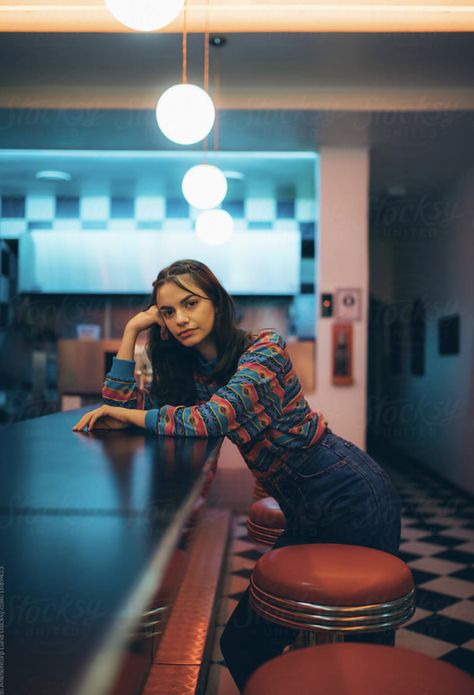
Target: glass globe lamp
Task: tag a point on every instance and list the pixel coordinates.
(214, 227)
(204, 186)
(145, 15)
(185, 114)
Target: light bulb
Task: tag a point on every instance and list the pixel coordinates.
(145, 15)
(185, 113)
(204, 186)
(214, 227)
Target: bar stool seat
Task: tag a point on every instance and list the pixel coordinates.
(266, 522)
(358, 669)
(332, 587)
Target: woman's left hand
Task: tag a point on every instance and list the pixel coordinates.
(105, 417)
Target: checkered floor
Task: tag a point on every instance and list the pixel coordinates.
(437, 544)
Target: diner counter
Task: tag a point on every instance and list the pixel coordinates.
(88, 525)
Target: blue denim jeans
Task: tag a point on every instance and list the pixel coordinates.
(334, 493)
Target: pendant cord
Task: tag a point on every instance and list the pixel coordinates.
(185, 48)
(206, 74)
(217, 99)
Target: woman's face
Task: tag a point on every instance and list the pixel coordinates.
(187, 316)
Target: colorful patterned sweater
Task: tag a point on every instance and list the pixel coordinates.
(261, 408)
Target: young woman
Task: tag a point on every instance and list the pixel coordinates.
(211, 378)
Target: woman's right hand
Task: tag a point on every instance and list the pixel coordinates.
(145, 319)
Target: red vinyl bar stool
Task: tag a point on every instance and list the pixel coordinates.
(266, 522)
(328, 589)
(358, 669)
(259, 491)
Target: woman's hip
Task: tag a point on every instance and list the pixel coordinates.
(339, 495)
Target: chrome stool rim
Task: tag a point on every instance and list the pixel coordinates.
(311, 616)
(263, 535)
(263, 528)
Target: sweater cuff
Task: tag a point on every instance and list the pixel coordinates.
(122, 369)
(151, 420)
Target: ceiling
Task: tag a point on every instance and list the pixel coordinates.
(409, 97)
(251, 16)
(305, 71)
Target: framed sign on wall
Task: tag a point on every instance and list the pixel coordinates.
(348, 304)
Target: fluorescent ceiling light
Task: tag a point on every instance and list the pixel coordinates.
(53, 175)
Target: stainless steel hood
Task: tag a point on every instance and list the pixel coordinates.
(255, 262)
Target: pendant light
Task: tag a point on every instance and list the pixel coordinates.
(214, 227)
(204, 186)
(145, 15)
(185, 112)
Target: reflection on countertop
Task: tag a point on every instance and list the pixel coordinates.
(97, 517)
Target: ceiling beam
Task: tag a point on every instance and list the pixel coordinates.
(231, 16)
(298, 99)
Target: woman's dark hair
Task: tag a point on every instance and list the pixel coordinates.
(173, 364)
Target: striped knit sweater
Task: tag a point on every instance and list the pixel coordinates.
(261, 408)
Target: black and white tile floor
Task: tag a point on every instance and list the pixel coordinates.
(437, 544)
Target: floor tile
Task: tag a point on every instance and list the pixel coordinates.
(424, 526)
(421, 548)
(444, 628)
(467, 573)
(407, 520)
(459, 532)
(413, 534)
(225, 610)
(244, 573)
(462, 610)
(438, 539)
(433, 564)
(462, 658)
(236, 596)
(432, 600)
(240, 546)
(467, 547)
(451, 586)
(216, 652)
(236, 562)
(238, 528)
(456, 556)
(241, 518)
(447, 522)
(237, 584)
(420, 577)
(252, 554)
(408, 557)
(220, 682)
(419, 614)
(422, 643)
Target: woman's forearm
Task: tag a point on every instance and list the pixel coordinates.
(136, 417)
(127, 346)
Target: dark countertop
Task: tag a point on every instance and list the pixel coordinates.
(88, 523)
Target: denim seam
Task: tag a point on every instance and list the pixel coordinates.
(373, 467)
(298, 477)
(357, 468)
